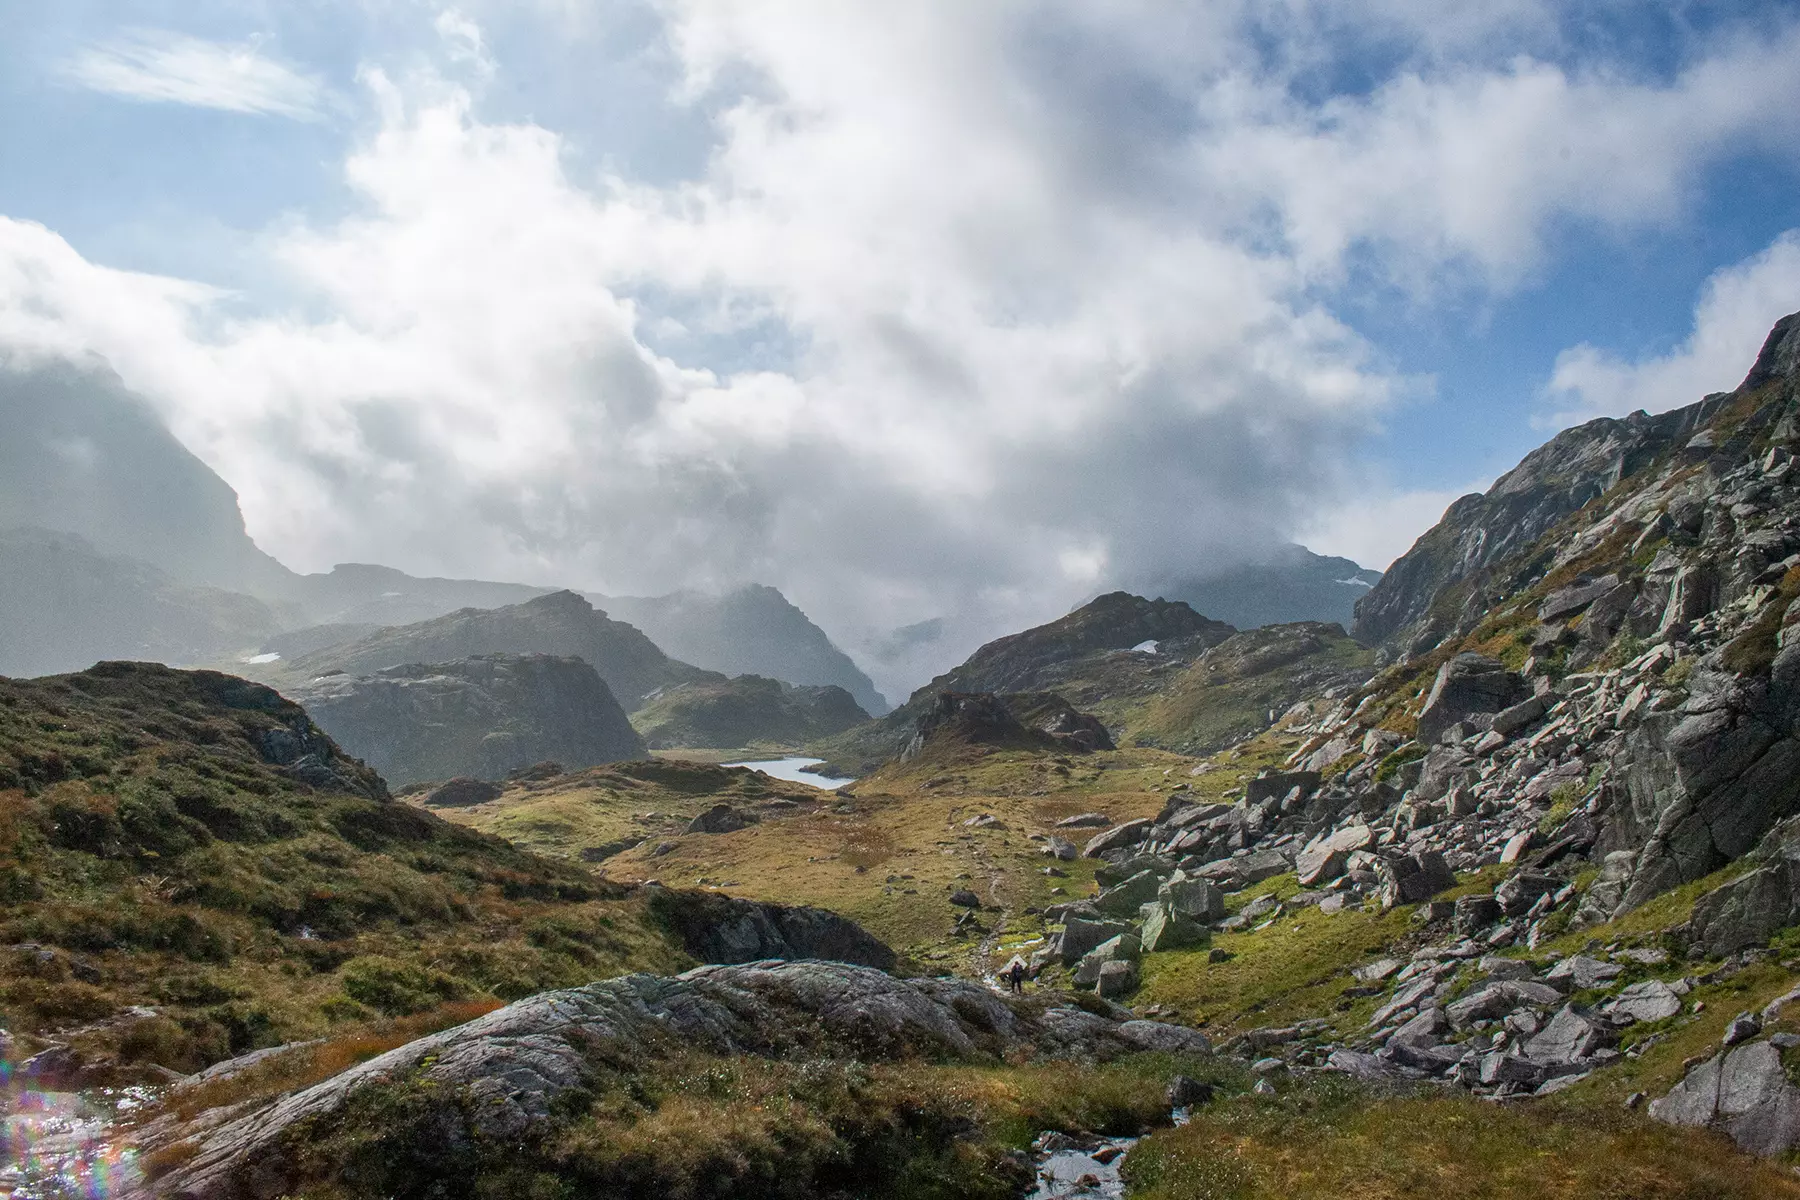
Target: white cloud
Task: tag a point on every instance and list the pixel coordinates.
(1374, 524)
(1040, 281)
(1733, 315)
(159, 66)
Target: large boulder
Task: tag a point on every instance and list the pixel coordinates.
(1128, 834)
(1470, 687)
(1744, 1092)
(1081, 935)
(1124, 899)
(1195, 898)
(1165, 929)
(1415, 877)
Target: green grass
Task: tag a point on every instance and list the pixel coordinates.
(155, 855)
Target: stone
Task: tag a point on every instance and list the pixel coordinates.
(1186, 1092)
(1117, 979)
(1124, 899)
(1565, 601)
(1746, 911)
(1476, 912)
(1651, 1000)
(1569, 1038)
(1505, 968)
(1224, 874)
(1499, 1067)
(722, 818)
(1516, 845)
(1519, 892)
(1124, 948)
(1079, 936)
(1327, 857)
(1128, 834)
(1092, 820)
(1165, 929)
(1196, 899)
(1061, 848)
(1469, 685)
(1509, 721)
(716, 928)
(1578, 972)
(1375, 972)
(1277, 785)
(1743, 1027)
(1415, 877)
(1425, 1029)
(1263, 864)
(964, 898)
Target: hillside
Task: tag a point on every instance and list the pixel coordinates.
(477, 718)
(191, 869)
(560, 624)
(65, 606)
(746, 711)
(750, 631)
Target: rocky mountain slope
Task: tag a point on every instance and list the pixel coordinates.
(560, 623)
(85, 456)
(64, 605)
(753, 630)
(745, 711)
(479, 717)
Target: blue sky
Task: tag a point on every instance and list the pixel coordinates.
(943, 311)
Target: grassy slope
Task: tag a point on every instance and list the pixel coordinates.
(150, 855)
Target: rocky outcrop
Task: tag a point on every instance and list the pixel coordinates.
(480, 717)
(560, 624)
(724, 929)
(1742, 1091)
(1472, 688)
(504, 1077)
(1023, 722)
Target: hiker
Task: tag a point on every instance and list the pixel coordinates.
(1015, 977)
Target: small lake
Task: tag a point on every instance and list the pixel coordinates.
(790, 770)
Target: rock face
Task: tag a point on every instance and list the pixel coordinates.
(723, 929)
(1742, 1091)
(560, 623)
(500, 1078)
(480, 717)
(1470, 687)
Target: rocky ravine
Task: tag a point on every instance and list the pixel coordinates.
(499, 1078)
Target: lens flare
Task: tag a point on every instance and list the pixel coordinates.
(67, 1145)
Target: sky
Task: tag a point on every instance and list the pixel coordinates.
(926, 312)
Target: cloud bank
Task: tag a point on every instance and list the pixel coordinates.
(972, 309)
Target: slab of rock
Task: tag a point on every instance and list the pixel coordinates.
(716, 928)
(1117, 979)
(1469, 686)
(1165, 929)
(1519, 892)
(1128, 834)
(1263, 864)
(1196, 898)
(1091, 820)
(1568, 1039)
(1742, 1091)
(1079, 936)
(1509, 721)
(1124, 899)
(504, 1077)
(722, 818)
(1415, 877)
(1578, 972)
(1276, 785)
(1651, 1000)
(1327, 857)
